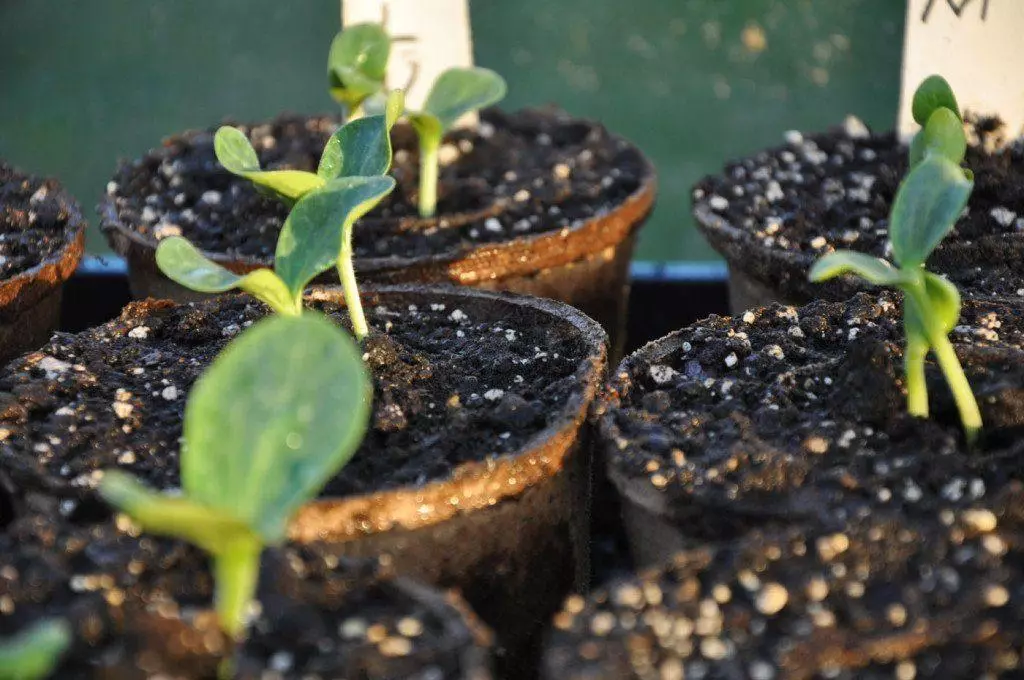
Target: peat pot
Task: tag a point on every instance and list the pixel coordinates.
(474, 474)
(43, 235)
(141, 607)
(797, 417)
(773, 214)
(532, 202)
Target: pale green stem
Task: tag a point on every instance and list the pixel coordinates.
(429, 149)
(970, 415)
(349, 286)
(913, 364)
(236, 571)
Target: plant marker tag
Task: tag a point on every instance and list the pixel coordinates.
(428, 37)
(974, 44)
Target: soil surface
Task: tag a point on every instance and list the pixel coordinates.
(523, 173)
(35, 223)
(798, 415)
(878, 601)
(786, 207)
(140, 608)
(451, 385)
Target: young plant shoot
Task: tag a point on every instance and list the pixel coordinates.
(357, 65)
(34, 653)
(276, 415)
(930, 199)
(350, 182)
(455, 93)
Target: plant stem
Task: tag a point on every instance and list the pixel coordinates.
(355, 113)
(913, 366)
(429, 149)
(970, 416)
(349, 287)
(236, 571)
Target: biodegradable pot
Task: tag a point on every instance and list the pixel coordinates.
(140, 607)
(773, 214)
(474, 475)
(790, 416)
(533, 202)
(43, 236)
(938, 600)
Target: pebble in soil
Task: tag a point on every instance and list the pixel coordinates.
(523, 173)
(790, 415)
(451, 385)
(35, 221)
(824, 192)
(139, 607)
(879, 601)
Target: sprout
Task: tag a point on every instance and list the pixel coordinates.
(930, 199)
(455, 93)
(357, 65)
(276, 415)
(318, 230)
(34, 653)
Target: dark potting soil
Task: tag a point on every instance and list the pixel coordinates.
(140, 608)
(451, 385)
(880, 601)
(530, 172)
(798, 415)
(792, 204)
(35, 223)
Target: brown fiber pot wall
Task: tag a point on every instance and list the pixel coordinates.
(585, 265)
(30, 301)
(509, 532)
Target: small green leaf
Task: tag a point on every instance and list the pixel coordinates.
(312, 234)
(872, 269)
(357, 63)
(34, 653)
(287, 184)
(927, 205)
(360, 148)
(944, 135)
(944, 301)
(933, 93)
(276, 414)
(234, 151)
(458, 91)
(917, 148)
(177, 516)
(184, 264)
(394, 107)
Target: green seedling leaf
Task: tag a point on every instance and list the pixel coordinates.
(944, 135)
(872, 269)
(312, 235)
(184, 264)
(926, 207)
(458, 91)
(918, 146)
(362, 147)
(933, 93)
(357, 63)
(238, 157)
(34, 653)
(279, 411)
(944, 301)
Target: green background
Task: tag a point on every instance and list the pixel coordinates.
(692, 82)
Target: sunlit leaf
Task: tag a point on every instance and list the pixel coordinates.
(944, 135)
(458, 91)
(872, 269)
(944, 301)
(927, 205)
(357, 63)
(933, 93)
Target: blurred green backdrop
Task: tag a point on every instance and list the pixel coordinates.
(692, 82)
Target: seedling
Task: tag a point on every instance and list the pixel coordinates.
(929, 200)
(318, 228)
(276, 415)
(357, 65)
(34, 653)
(359, 148)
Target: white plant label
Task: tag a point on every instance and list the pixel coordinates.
(428, 38)
(977, 46)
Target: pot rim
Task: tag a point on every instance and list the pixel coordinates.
(55, 269)
(473, 485)
(488, 261)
